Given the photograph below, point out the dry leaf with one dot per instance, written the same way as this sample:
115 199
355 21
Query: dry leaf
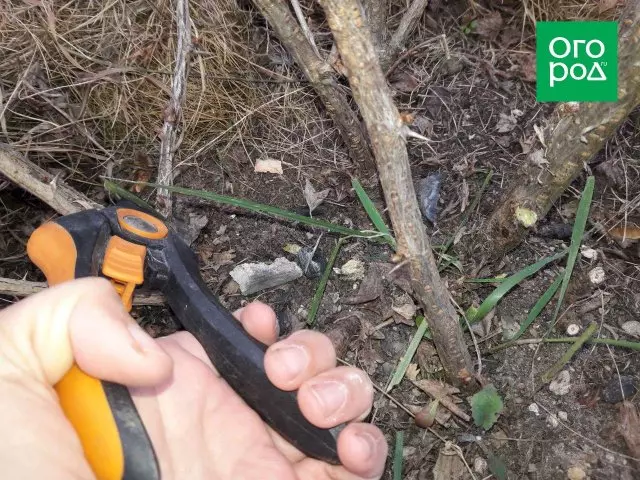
142 172
445 394
406 311
412 372
489 26
629 427
369 358
268 165
222 258
424 125
605 5
527 64
464 196
371 287
537 158
622 234
449 465
404 81
506 123
313 197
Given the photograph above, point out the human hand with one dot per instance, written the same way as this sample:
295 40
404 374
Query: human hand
199 427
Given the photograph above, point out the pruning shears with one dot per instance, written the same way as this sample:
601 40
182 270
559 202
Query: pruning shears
136 249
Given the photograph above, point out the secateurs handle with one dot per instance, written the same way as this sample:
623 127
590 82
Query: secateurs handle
133 248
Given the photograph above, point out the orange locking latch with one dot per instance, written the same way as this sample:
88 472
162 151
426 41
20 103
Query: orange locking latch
124 264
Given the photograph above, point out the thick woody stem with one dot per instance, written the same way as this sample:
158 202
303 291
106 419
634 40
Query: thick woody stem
574 134
385 128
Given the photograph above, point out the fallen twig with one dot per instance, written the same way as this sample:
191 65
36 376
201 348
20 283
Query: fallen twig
173 112
24 288
48 188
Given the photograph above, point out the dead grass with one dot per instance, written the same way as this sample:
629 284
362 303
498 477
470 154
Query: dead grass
85 85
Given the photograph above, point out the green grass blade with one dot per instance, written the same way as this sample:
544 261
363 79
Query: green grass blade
596 341
576 239
398 456
371 210
539 306
398 375
322 284
266 209
501 290
559 365
117 190
485 280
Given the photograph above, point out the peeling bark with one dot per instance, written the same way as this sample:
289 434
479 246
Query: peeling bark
385 128
320 74
575 133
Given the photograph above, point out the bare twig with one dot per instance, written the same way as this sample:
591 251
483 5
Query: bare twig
173 112
403 32
62 198
381 116
24 288
305 27
320 74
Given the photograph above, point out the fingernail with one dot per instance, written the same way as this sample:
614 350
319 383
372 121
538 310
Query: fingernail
143 343
367 444
292 360
331 396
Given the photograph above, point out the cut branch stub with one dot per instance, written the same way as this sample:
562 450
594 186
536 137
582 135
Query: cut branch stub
385 129
575 133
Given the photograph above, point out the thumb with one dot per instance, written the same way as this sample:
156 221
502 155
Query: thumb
83 321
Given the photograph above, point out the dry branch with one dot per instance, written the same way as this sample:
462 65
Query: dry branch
173 112
305 27
372 94
406 27
24 288
575 133
320 74
62 198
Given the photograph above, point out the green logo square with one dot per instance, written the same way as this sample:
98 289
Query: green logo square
577 61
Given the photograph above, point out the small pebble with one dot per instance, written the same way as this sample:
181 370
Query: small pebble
613 393
428 195
552 420
589 253
632 327
596 275
480 465
561 384
534 409
563 416
576 473
573 329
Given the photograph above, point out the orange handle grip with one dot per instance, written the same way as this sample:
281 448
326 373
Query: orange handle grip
82 398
